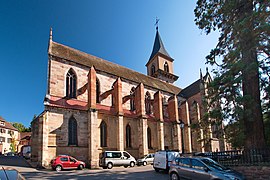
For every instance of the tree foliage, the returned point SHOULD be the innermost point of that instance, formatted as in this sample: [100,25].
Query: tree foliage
[240,60]
[21,127]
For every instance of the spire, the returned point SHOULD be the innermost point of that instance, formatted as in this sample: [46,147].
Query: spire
[51,34]
[158,46]
[50,42]
[201,76]
[156,24]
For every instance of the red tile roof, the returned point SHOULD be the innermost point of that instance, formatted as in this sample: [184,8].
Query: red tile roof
[7,125]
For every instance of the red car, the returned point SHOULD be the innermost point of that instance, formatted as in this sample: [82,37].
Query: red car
[66,162]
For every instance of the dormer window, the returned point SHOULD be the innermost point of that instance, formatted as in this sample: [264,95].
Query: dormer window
[2,123]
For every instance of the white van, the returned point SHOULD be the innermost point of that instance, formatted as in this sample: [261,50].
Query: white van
[109,159]
[163,159]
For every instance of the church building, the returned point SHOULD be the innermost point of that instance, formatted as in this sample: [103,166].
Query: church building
[93,105]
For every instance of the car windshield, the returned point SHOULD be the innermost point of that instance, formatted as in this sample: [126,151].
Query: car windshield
[214,164]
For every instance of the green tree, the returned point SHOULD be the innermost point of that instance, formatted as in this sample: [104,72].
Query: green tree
[12,145]
[21,127]
[240,61]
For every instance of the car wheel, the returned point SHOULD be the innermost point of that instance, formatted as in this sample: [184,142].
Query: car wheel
[132,164]
[109,165]
[125,166]
[156,169]
[80,167]
[174,176]
[58,168]
[144,163]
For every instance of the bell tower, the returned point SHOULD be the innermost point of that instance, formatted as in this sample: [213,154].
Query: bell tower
[160,63]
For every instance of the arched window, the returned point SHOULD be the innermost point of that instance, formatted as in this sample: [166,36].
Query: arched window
[153,70]
[71,84]
[147,103]
[72,132]
[128,136]
[97,91]
[103,134]
[149,142]
[166,67]
[132,99]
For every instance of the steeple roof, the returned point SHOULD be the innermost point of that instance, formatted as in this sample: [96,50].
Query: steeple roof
[159,47]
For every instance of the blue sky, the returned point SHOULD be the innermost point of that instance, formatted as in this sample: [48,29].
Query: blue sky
[119,31]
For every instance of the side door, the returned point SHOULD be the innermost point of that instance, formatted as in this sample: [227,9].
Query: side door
[184,168]
[149,158]
[65,162]
[126,158]
[199,170]
[72,163]
[117,158]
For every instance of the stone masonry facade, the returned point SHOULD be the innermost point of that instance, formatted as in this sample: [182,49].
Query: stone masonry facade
[103,98]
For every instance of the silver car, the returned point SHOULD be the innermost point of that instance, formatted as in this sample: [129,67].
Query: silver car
[202,168]
[147,159]
[109,159]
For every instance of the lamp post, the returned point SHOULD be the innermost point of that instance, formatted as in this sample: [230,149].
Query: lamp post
[182,125]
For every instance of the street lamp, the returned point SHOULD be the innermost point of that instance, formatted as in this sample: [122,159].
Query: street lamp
[182,125]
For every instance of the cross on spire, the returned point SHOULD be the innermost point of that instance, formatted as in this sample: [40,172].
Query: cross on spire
[156,24]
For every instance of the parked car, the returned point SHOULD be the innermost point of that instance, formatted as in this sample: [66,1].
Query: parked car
[8,173]
[27,155]
[201,168]
[10,154]
[116,158]
[163,159]
[66,162]
[147,159]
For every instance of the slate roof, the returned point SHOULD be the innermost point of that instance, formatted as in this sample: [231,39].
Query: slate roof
[159,47]
[7,125]
[88,60]
[191,90]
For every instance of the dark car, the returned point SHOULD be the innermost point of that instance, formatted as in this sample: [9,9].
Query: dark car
[66,162]
[202,168]
[8,174]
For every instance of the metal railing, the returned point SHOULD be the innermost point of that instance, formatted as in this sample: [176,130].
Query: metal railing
[253,157]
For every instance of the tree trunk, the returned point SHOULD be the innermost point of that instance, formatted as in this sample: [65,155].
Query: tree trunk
[253,119]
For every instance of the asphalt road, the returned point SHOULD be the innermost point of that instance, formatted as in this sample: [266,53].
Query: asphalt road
[137,172]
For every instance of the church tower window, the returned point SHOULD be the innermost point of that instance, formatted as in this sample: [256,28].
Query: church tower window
[147,103]
[128,136]
[149,142]
[166,67]
[153,70]
[103,134]
[72,132]
[97,91]
[71,84]
[132,99]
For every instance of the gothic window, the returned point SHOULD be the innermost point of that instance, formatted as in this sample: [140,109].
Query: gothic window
[132,99]
[103,134]
[128,136]
[149,142]
[97,91]
[72,132]
[147,103]
[71,83]
[153,70]
[166,67]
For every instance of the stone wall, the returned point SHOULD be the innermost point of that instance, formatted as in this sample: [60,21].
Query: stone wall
[254,172]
